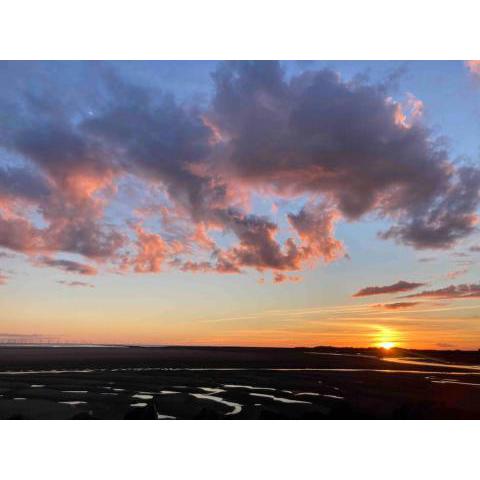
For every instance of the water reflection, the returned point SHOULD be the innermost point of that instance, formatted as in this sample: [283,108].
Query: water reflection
[237,408]
[428,363]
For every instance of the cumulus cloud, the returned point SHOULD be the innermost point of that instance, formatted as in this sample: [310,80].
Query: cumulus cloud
[151,252]
[315,226]
[446,220]
[343,149]
[401,286]
[22,183]
[471,290]
[291,136]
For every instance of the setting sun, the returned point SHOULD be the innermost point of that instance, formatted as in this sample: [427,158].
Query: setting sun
[386,345]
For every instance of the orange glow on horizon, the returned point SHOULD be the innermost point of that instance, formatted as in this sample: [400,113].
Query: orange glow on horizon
[387,345]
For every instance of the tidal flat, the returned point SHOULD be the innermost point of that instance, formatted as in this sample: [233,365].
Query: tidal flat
[234,383]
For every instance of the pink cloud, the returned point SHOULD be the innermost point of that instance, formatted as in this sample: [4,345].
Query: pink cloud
[151,251]
[473,66]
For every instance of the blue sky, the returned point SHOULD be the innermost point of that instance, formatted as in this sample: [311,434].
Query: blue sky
[139,157]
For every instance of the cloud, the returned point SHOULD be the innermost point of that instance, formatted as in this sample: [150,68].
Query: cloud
[460,255]
[401,286]
[456,273]
[152,251]
[475,248]
[474,67]
[398,305]
[20,235]
[68,266]
[75,283]
[263,134]
[471,290]
[22,183]
[445,345]
[315,227]
[291,136]
[281,278]
[7,337]
[451,217]
[426,259]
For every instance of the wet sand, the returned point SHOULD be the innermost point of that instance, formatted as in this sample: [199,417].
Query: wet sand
[236,383]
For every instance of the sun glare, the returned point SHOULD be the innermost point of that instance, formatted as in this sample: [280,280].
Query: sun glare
[386,345]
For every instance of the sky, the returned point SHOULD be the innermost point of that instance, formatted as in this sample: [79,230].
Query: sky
[240,203]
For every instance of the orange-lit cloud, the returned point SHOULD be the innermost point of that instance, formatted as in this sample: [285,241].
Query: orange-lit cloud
[398,305]
[151,251]
[281,278]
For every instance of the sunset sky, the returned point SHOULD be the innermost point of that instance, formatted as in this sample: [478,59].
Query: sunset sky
[240,203]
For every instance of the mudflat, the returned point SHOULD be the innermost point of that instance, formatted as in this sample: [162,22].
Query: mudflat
[116,382]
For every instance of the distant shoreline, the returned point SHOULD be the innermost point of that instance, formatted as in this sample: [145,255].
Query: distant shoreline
[236,347]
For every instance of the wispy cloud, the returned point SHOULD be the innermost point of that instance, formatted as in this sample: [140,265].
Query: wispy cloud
[75,283]
[10,337]
[401,286]
[456,273]
[451,292]
[68,266]
[398,305]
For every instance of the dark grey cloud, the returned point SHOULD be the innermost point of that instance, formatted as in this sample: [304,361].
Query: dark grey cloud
[426,259]
[23,183]
[66,265]
[401,286]
[320,135]
[450,217]
[465,290]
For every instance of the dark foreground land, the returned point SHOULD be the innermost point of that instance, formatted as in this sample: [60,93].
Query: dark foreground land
[44,382]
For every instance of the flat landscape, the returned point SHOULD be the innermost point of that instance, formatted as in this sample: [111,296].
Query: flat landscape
[113,382]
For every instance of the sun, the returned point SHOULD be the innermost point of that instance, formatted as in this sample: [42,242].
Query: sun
[386,345]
